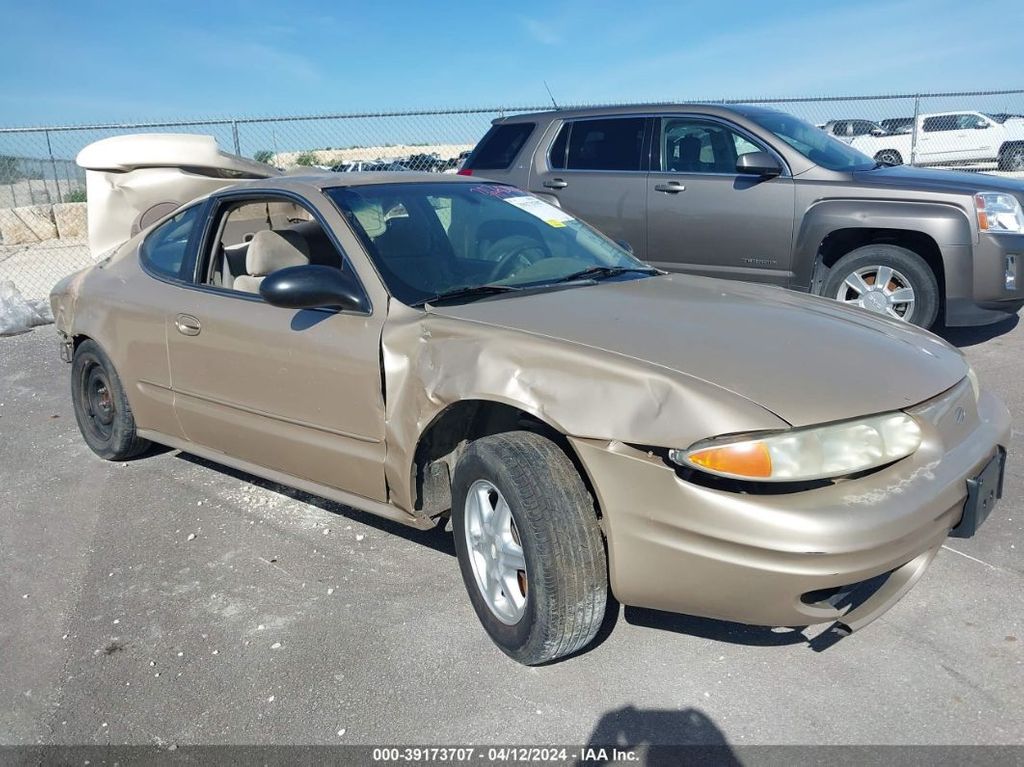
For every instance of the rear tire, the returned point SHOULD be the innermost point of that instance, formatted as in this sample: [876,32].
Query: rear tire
[853,280]
[1011,158]
[101,408]
[550,601]
[889,157]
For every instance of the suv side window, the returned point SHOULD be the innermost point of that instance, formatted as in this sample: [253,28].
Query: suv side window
[971,122]
[163,251]
[940,123]
[498,149]
[614,143]
[692,145]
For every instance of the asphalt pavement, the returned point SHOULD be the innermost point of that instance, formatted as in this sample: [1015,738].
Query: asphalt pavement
[169,601]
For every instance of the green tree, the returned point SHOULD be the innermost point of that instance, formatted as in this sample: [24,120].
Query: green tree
[307,159]
[264,156]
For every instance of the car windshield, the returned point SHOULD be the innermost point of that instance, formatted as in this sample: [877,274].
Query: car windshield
[432,239]
[814,144]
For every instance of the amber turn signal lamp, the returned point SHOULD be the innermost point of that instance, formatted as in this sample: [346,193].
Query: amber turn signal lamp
[744,459]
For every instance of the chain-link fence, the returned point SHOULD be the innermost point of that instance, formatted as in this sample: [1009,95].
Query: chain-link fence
[42,191]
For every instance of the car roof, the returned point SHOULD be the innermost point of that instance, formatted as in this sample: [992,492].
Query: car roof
[722,110]
[331,180]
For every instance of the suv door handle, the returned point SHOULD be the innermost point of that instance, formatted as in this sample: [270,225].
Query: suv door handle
[672,187]
[187,325]
[556,183]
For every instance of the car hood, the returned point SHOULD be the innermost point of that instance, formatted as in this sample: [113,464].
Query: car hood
[934,180]
[806,359]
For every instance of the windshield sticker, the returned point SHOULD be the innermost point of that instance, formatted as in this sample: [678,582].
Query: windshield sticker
[500,191]
[547,213]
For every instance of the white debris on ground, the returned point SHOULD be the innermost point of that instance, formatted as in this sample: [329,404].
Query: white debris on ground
[18,314]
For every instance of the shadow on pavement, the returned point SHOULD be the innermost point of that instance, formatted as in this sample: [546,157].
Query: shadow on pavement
[436,538]
[973,336]
[720,631]
[733,633]
[658,737]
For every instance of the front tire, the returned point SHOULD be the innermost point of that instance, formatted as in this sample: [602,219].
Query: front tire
[101,408]
[529,546]
[1011,159]
[888,280]
[889,157]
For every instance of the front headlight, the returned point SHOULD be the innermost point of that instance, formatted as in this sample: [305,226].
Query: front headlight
[820,452]
[999,212]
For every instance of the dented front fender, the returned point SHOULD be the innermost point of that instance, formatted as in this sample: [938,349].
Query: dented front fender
[431,362]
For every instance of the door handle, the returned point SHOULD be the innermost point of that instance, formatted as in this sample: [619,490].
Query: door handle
[556,183]
[672,187]
[187,325]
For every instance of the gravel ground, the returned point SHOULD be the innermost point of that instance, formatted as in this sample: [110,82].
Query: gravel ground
[169,601]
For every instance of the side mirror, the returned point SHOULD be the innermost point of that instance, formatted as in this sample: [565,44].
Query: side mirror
[877,132]
[981,125]
[758,164]
[312,286]
[624,245]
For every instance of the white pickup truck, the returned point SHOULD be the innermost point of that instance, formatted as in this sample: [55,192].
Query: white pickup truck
[952,138]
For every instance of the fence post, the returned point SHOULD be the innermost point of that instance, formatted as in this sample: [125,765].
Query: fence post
[53,164]
[234,135]
[913,135]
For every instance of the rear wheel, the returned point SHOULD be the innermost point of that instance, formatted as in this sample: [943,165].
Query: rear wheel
[889,157]
[529,546]
[886,279]
[1012,159]
[101,408]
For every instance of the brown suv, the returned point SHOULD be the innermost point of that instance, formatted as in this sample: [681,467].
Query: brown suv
[754,194]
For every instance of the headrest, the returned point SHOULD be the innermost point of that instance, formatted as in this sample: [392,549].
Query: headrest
[370,216]
[270,250]
[689,145]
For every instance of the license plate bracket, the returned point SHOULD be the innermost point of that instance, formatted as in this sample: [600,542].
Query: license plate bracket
[982,493]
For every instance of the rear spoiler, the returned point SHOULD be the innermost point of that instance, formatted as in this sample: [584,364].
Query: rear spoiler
[133,181]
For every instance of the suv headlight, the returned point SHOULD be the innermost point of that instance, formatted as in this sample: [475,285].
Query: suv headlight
[820,452]
[999,212]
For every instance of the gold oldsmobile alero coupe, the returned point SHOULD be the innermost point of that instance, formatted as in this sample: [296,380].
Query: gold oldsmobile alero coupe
[429,347]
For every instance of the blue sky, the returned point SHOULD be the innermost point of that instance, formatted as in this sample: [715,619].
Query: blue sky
[83,61]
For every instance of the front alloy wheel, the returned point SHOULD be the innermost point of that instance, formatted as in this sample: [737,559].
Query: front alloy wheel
[495,552]
[529,546]
[879,289]
[1012,160]
[886,279]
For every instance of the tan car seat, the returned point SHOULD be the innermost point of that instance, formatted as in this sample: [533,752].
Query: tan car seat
[269,251]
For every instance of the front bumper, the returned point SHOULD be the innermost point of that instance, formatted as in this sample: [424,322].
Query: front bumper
[976,291]
[765,559]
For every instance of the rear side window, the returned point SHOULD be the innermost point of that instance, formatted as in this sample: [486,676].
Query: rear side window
[164,249]
[606,144]
[498,149]
[940,123]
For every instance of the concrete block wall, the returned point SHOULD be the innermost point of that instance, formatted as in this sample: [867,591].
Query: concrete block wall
[30,224]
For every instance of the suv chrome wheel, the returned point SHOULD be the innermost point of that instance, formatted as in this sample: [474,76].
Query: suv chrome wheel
[879,289]
[496,554]
[1014,160]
